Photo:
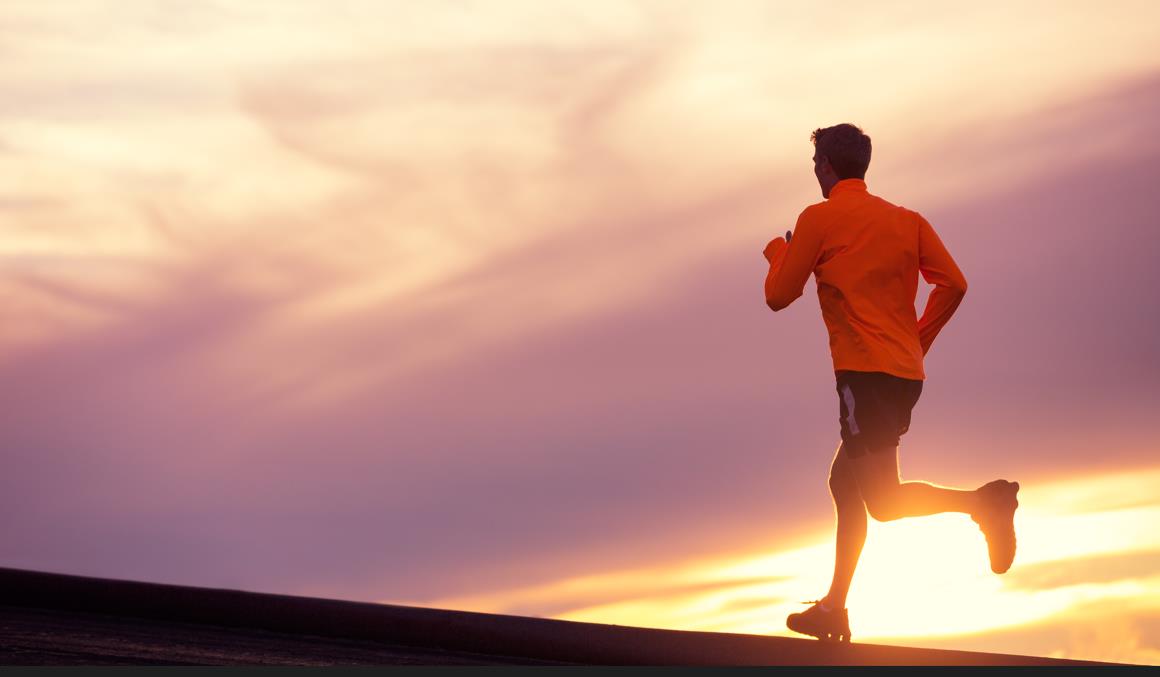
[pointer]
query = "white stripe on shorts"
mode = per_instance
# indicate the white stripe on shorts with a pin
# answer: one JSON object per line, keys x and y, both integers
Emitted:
{"x": 848, "y": 396}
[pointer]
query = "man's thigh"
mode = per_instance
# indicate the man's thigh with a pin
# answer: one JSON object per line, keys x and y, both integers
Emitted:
{"x": 875, "y": 472}
{"x": 842, "y": 480}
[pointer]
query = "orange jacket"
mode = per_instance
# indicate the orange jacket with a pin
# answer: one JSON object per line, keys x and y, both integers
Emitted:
{"x": 866, "y": 255}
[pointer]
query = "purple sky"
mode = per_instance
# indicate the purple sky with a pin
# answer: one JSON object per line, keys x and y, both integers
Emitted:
{"x": 688, "y": 419}
{"x": 291, "y": 306}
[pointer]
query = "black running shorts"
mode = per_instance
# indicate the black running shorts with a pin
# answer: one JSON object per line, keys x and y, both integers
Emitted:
{"x": 874, "y": 410}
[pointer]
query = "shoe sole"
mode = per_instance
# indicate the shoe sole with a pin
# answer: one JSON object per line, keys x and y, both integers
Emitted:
{"x": 1005, "y": 531}
{"x": 837, "y": 637}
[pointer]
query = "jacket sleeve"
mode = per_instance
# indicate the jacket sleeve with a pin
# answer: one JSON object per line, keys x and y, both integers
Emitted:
{"x": 937, "y": 268}
{"x": 790, "y": 264}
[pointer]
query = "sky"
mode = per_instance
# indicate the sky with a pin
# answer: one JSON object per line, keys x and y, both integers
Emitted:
{"x": 457, "y": 305}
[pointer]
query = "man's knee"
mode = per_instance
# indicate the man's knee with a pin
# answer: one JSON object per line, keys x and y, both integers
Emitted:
{"x": 844, "y": 488}
{"x": 884, "y": 505}
{"x": 877, "y": 477}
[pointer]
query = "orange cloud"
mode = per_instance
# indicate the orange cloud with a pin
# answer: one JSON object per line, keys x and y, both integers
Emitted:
{"x": 344, "y": 297}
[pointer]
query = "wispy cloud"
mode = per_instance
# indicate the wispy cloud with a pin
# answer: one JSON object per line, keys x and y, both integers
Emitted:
{"x": 333, "y": 300}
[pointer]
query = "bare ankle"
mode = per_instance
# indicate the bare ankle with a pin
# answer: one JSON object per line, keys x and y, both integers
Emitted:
{"x": 976, "y": 502}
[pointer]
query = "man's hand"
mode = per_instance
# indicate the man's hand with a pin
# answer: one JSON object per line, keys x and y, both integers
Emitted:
{"x": 773, "y": 245}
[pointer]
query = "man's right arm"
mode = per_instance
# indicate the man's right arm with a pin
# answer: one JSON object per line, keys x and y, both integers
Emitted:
{"x": 790, "y": 263}
{"x": 937, "y": 268}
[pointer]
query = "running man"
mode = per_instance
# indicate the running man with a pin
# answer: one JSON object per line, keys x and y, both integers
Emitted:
{"x": 866, "y": 255}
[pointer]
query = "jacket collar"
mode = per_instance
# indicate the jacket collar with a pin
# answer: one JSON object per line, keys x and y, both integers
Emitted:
{"x": 848, "y": 186}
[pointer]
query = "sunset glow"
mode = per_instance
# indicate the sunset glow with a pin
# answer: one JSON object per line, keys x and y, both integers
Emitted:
{"x": 921, "y": 582}
{"x": 456, "y": 303}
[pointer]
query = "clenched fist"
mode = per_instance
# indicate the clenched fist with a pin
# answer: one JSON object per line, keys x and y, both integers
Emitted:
{"x": 774, "y": 244}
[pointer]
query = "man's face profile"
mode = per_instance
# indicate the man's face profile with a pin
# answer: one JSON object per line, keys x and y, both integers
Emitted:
{"x": 824, "y": 173}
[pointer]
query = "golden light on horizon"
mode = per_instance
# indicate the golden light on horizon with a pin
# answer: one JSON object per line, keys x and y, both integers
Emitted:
{"x": 920, "y": 580}
{"x": 409, "y": 257}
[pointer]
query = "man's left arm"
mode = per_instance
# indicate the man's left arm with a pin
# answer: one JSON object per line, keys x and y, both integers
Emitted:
{"x": 937, "y": 268}
{"x": 790, "y": 263}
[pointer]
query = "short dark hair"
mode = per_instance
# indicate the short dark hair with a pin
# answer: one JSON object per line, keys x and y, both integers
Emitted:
{"x": 847, "y": 147}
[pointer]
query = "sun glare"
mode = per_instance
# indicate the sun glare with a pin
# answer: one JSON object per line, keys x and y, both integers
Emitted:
{"x": 919, "y": 579}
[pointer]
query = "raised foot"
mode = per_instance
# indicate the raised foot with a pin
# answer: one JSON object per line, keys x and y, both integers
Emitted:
{"x": 996, "y": 519}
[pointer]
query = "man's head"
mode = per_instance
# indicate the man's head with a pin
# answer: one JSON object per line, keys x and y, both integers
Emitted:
{"x": 840, "y": 152}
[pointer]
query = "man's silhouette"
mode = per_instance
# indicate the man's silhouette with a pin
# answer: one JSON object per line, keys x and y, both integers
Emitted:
{"x": 866, "y": 255}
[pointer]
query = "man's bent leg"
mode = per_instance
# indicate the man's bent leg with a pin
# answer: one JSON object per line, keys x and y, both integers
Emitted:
{"x": 851, "y": 528}
{"x": 888, "y": 498}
